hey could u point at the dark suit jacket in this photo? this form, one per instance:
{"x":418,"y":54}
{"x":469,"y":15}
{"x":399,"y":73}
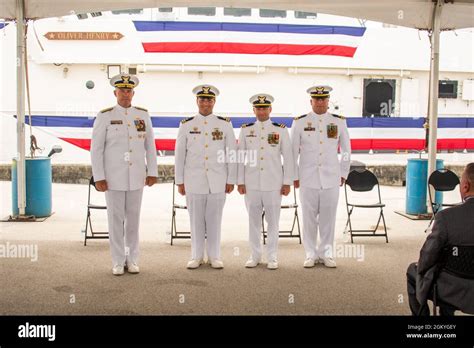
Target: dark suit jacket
{"x":452,"y":226}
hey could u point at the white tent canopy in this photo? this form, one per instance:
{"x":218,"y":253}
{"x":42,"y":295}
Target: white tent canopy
{"x":433,"y":15}
{"x":409,"y":13}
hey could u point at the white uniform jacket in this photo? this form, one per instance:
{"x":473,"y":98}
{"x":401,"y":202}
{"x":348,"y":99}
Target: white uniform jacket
{"x":264,"y":144}
{"x":121,"y":140}
{"x":203,"y":149}
{"x":316,"y":140}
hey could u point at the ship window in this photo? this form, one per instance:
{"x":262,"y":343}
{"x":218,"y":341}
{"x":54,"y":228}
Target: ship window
{"x":96,"y":14}
{"x":132,"y":71}
{"x":272,"y":13}
{"x":82,"y":16}
{"x":129,"y":11}
{"x":202,"y":11}
{"x":113,"y":70}
{"x":448,"y":89}
{"x":311,"y":15}
{"x":237,"y":12}
{"x":379,"y":97}
{"x":165,"y":9}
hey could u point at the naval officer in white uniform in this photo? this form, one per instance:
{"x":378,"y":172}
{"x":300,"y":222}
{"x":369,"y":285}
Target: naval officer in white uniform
{"x":265,"y":179}
{"x":316,"y":138}
{"x":123,"y":156}
{"x":204,"y":174}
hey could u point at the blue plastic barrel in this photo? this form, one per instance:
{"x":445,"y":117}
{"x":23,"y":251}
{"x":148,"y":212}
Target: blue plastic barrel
{"x":38,"y":186}
{"x":417,"y":185}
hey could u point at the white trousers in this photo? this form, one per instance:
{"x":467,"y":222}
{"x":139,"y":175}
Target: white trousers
{"x":123,"y":215}
{"x":256,"y":202}
{"x":319,"y":210}
{"x":205,"y":214}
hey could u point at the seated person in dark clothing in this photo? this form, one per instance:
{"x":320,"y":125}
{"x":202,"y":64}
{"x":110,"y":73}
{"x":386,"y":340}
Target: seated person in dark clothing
{"x":452,"y":226}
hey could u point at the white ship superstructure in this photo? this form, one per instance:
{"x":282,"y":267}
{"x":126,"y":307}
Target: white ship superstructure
{"x":375,"y":70}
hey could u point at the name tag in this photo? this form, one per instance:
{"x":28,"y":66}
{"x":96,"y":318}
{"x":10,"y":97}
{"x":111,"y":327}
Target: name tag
{"x":309,"y":127}
{"x":116,"y":122}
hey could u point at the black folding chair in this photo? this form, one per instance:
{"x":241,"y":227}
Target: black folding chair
{"x":90,"y":206}
{"x":175,"y":234}
{"x":442,"y":180}
{"x":296,"y":222}
{"x":364,"y":181}
{"x":458,"y":261}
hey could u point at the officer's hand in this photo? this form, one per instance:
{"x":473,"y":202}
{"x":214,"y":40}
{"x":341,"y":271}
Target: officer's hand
{"x":101,"y":185}
{"x":229,"y":188}
{"x":296,"y":184}
{"x":181,"y":189}
{"x":342,"y":181}
{"x":151,"y":180}
{"x":285,"y":190}
{"x":241,"y":189}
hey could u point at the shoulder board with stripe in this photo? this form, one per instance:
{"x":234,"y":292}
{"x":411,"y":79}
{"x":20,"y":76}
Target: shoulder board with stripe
{"x":247,"y":124}
{"x":227,"y":119}
{"x":140,"y":108}
{"x":339,"y":116}
{"x":299,"y":117}
{"x":105,"y":110}
{"x":184,"y":120}
{"x":281,"y":125}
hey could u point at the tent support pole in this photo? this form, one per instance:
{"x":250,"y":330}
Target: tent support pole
{"x":433,"y":90}
{"x":20,"y":79}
